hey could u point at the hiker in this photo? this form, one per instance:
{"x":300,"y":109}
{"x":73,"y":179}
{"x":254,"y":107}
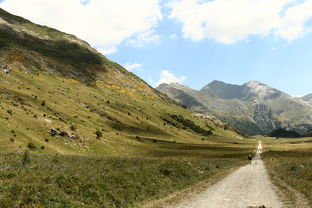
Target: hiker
{"x":249,"y":158}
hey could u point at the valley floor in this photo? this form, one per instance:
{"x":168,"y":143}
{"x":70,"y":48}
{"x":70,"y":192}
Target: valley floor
{"x":249,"y":186}
{"x":55,"y":180}
{"x":281,"y":179}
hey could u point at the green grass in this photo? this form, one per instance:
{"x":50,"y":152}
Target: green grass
{"x":120,"y":114}
{"x":81,"y":181}
{"x":290,"y":163}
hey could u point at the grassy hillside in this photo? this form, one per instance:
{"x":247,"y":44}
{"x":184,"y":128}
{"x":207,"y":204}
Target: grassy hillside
{"x":290,"y":165}
{"x":60,"y":95}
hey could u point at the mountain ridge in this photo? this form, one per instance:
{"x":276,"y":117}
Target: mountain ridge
{"x":253,"y":107}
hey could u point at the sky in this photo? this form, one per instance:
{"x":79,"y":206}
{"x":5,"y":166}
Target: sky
{"x":192,"y":42}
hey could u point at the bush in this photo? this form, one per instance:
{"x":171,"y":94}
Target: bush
{"x":98,"y":134}
{"x":53,"y":132}
{"x":31,"y":146}
{"x":191,"y":125}
{"x":73,"y":128}
{"x":10,"y":112}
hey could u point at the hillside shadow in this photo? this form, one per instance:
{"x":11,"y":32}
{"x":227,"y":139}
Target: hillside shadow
{"x":81,"y":60}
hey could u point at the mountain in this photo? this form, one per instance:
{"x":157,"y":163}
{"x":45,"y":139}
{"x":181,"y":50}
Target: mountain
{"x":58,"y":94}
{"x":254,"y":108}
{"x":307,"y":98}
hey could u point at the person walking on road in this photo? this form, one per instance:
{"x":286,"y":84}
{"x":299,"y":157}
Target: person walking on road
{"x":249,"y":158}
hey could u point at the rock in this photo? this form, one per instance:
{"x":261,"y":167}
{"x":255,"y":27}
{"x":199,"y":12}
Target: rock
{"x":5,"y":69}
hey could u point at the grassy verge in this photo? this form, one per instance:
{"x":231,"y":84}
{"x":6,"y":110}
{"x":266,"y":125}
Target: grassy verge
{"x":32,"y":180}
{"x":290,"y":166}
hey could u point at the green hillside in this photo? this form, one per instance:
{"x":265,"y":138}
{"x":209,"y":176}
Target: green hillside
{"x":60,"y":95}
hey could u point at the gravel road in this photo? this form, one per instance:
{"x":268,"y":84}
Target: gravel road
{"x":249,"y":186}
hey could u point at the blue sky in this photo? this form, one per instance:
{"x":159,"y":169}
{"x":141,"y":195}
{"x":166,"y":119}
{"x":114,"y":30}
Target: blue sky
{"x":192,"y":41}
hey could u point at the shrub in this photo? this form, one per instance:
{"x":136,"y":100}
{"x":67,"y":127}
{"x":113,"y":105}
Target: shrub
{"x":31,"y":146}
{"x":53,"y":132}
{"x":98,"y":134}
{"x":191,"y":125}
{"x":73,"y":128}
{"x":10,"y":112}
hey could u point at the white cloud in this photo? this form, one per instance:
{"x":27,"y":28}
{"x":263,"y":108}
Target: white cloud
{"x":294,"y":20}
{"x":229,"y":21}
{"x":103,"y":23}
{"x":133,"y":66}
{"x":144,"y":39}
{"x":173,"y":36}
{"x":167,"y":77}
{"x":107,"y":50}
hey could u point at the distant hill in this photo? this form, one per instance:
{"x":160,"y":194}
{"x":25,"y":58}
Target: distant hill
{"x":58,"y":94}
{"x":254,"y":108}
{"x":307,"y":98}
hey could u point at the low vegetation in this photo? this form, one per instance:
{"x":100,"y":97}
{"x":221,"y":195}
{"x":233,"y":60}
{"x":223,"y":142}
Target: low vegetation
{"x":54,"y":180}
{"x":187,"y":123}
{"x":290,"y":165}
{"x":284,"y":133}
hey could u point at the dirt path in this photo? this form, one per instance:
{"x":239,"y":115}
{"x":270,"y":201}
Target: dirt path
{"x":249,"y":186}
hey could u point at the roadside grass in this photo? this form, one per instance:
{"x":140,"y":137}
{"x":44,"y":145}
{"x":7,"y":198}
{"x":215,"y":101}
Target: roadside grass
{"x":54,"y":180}
{"x":289,"y":162}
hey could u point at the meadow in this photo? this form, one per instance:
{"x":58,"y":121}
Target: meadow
{"x":55,"y":180}
{"x":289,"y":162}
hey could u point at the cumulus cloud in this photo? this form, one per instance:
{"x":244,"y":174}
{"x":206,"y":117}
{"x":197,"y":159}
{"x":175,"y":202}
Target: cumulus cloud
{"x":143,"y":39}
{"x":229,"y":21}
{"x":105,"y":24}
{"x":107,"y":50}
{"x":294,"y":21}
{"x":133,"y":66}
{"x":167,"y":77}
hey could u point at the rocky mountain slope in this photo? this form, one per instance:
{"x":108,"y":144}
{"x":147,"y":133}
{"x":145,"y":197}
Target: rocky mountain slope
{"x":253,"y":107}
{"x":57,"y":94}
{"x":307,"y":98}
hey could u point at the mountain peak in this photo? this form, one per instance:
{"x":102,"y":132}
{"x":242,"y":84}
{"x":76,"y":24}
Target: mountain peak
{"x":262,"y":91}
{"x":255,"y":84}
{"x":223,"y":90}
{"x":214,"y":82}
